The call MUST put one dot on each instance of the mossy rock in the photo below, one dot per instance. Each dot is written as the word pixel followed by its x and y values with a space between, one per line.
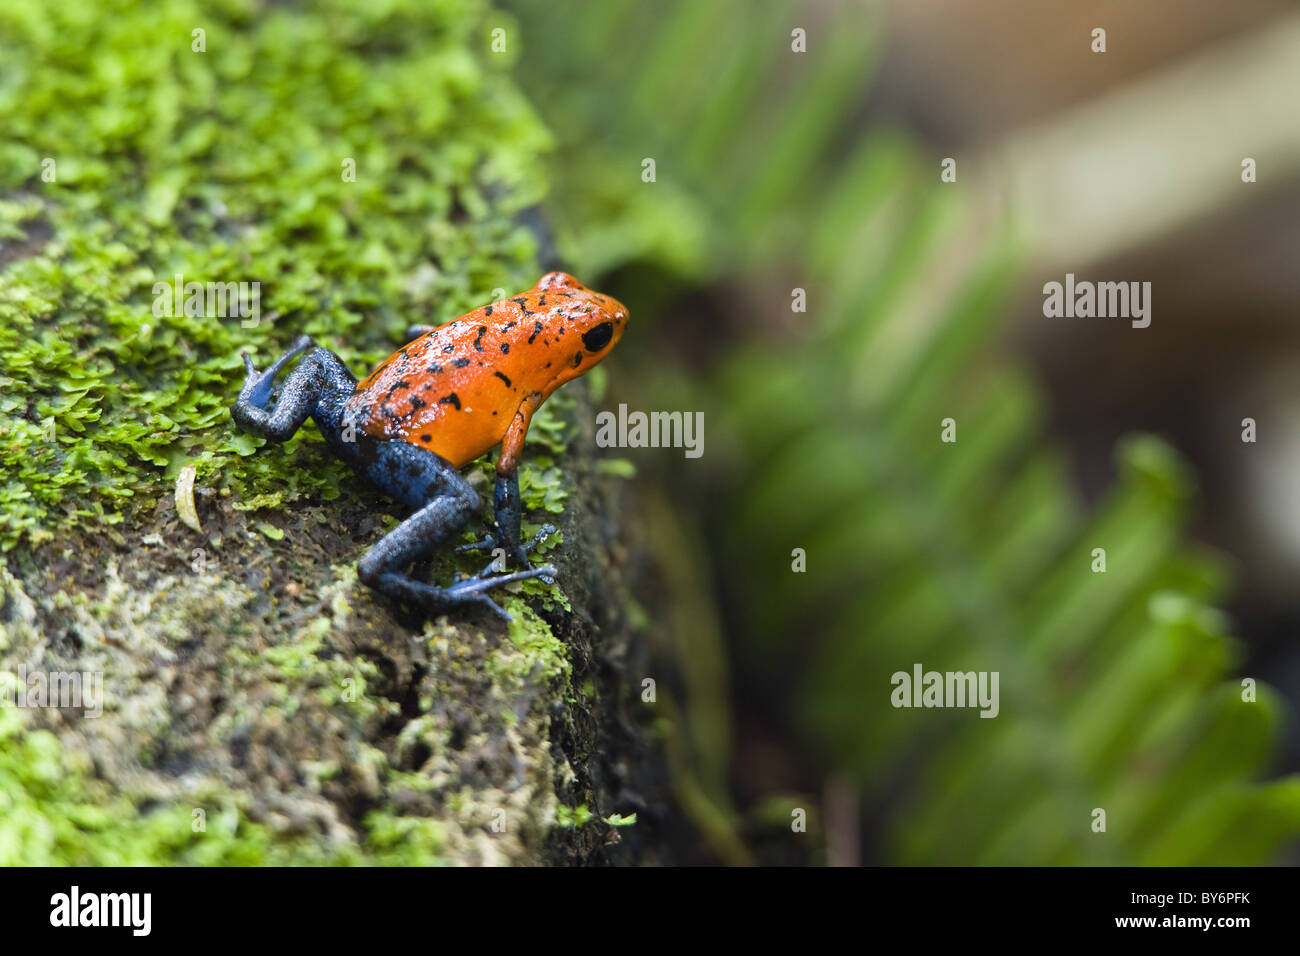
pixel 259 706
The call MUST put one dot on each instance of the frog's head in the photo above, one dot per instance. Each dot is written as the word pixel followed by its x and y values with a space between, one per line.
pixel 599 321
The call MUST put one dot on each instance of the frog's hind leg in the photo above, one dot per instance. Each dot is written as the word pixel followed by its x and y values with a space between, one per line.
pixel 447 503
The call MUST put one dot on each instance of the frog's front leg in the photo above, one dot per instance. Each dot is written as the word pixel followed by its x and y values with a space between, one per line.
pixel 509 519
pixel 316 386
pixel 412 474
pixel 507 505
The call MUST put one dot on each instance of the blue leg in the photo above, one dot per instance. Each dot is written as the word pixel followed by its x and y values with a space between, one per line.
pixel 410 474
pixel 509 515
pixel 316 388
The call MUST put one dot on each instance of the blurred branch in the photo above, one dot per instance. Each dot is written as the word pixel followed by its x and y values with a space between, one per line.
pixel 1156 155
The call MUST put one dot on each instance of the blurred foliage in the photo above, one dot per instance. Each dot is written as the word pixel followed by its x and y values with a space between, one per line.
pixel 225 165
pixel 1116 687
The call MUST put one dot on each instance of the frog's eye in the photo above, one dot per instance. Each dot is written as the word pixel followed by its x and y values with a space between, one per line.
pixel 597 338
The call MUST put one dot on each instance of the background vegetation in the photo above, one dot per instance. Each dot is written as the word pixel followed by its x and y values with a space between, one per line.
pixel 1120 690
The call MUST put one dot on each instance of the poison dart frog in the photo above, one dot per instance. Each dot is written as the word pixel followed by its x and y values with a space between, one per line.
pixel 442 400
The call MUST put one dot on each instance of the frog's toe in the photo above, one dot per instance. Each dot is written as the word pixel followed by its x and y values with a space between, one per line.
pixel 544 532
pixel 482 582
pixel 258 386
pixel 494 607
pixel 545 573
pixel 486 543
pixel 521 553
pixel 475 589
pixel 491 542
pixel 494 566
pixel 436 600
pixel 251 377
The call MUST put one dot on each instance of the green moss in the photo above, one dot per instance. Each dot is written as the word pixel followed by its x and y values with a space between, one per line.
pixel 616 468
pixel 543 654
pixel 52 812
pixel 578 816
pixel 226 166
pixel 403 841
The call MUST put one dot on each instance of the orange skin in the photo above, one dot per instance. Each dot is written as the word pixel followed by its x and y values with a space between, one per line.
pixel 466 386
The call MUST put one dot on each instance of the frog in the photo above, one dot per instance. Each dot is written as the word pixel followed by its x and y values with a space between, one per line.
pixel 448 396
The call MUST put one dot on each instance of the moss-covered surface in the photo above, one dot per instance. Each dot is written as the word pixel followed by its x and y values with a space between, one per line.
pixel 308 720
pixel 259 705
pixel 230 165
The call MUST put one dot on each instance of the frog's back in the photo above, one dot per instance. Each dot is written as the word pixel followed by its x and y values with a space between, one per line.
pixel 439 392
pixel 456 390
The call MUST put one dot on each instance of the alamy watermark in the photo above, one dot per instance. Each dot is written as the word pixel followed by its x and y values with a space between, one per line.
pixel 218 300
pixel 651 430
pixel 130 910
pixel 63 689
pixel 923 688
pixel 1104 300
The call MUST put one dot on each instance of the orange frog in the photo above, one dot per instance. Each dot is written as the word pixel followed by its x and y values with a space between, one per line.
pixel 435 405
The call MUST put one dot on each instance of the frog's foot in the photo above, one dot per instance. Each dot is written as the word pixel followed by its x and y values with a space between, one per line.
pixel 473 590
pixel 491 542
pixel 546 573
pixel 258 386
